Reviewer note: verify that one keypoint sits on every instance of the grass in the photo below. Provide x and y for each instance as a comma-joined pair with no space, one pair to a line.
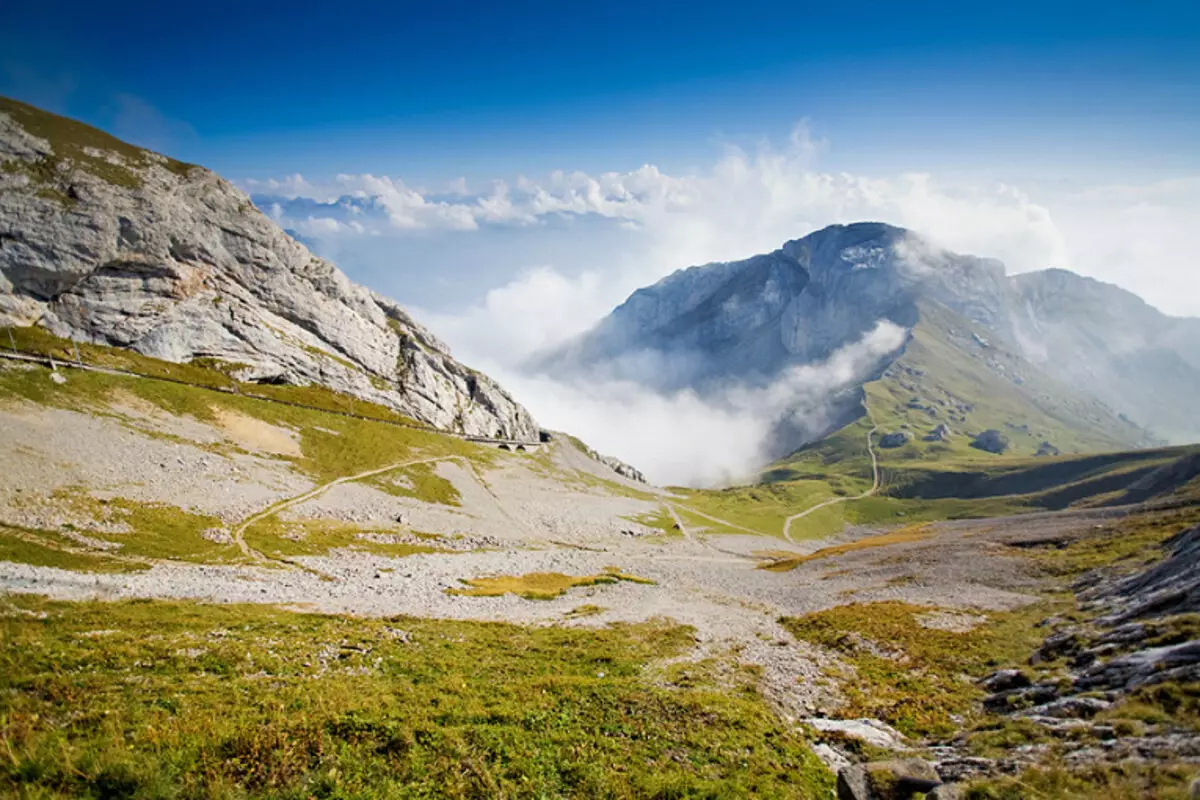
70,140
540,585
155,530
200,372
918,679
912,533
46,549
762,507
333,445
183,700
1130,780
419,481
659,519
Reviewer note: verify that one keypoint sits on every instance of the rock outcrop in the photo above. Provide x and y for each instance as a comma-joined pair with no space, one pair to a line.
895,439
107,243
991,441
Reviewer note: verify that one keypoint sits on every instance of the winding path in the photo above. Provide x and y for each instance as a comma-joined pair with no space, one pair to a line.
704,542
787,525
239,531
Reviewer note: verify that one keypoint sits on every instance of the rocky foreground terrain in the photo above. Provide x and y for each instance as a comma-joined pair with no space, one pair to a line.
977,656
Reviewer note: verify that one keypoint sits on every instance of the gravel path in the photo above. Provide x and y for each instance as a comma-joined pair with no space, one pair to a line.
787,524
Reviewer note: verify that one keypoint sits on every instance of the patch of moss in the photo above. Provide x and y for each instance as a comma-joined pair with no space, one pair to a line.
47,550
419,481
659,519
538,585
912,533
1129,780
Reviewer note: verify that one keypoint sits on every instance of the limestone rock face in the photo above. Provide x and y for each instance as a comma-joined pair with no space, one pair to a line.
111,244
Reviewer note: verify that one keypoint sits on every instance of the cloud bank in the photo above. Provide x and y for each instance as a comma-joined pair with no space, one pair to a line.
508,268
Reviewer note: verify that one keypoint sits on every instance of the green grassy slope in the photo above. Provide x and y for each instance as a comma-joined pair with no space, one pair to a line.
950,373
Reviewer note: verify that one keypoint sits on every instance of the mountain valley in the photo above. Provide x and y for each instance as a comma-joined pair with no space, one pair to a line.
262,535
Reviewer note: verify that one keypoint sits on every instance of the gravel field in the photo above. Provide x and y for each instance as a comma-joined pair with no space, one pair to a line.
543,515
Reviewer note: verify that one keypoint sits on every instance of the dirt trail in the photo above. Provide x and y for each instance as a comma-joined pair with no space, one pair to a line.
239,531
787,525
725,522
703,542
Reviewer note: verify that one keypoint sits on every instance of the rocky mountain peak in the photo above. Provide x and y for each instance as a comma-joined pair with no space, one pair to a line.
108,243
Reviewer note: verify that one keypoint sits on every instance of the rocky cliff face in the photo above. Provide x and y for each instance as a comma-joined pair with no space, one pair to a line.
111,244
748,321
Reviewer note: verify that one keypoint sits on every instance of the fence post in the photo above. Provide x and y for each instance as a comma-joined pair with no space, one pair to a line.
12,341
78,360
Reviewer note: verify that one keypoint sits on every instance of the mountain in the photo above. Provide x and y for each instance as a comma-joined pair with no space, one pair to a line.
1046,356
107,243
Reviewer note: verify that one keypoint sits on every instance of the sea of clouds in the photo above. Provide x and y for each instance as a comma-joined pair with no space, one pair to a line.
507,269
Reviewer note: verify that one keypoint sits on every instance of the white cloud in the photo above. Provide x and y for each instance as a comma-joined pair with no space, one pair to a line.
644,224
687,439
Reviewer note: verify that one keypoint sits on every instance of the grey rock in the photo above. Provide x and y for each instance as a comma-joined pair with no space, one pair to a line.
1063,643
991,441
941,433
1070,708
961,768
895,439
1014,699
831,757
1171,586
176,263
887,780
1047,449
1004,680
1145,667
871,731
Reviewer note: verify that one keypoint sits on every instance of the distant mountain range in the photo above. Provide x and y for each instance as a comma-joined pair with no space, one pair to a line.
1047,352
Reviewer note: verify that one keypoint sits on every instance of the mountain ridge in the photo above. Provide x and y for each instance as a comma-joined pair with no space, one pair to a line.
701,327
107,243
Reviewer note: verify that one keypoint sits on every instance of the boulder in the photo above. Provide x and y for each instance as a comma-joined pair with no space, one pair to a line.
941,433
871,731
1069,708
1014,699
887,780
1047,449
1005,680
1063,643
991,441
895,439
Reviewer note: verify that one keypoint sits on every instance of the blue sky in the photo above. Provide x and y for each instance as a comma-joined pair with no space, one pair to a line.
433,91
512,171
